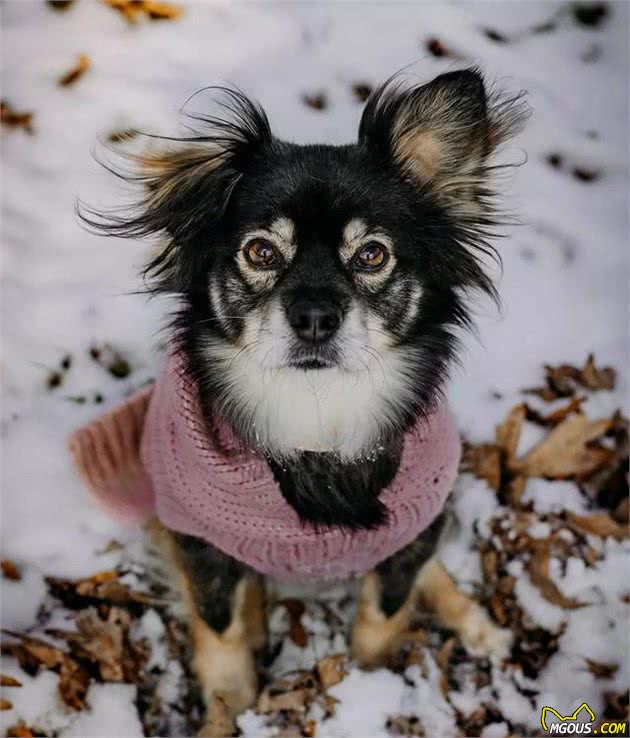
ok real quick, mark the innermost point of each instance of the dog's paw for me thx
(228, 680)
(371, 643)
(220, 721)
(482, 637)
(374, 635)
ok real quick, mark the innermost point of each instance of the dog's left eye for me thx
(261, 253)
(371, 257)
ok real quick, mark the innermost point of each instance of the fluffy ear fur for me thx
(186, 187)
(440, 135)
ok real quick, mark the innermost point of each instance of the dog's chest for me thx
(326, 490)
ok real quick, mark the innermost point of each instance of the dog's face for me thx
(318, 264)
(322, 283)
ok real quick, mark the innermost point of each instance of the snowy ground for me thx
(564, 288)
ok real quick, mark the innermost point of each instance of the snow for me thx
(21, 600)
(379, 691)
(111, 705)
(541, 611)
(550, 496)
(564, 290)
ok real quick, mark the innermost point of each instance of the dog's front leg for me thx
(227, 616)
(389, 594)
(387, 598)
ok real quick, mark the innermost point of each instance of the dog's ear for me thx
(440, 134)
(186, 186)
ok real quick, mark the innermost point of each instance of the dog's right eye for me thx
(261, 253)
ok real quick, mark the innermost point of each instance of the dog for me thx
(322, 289)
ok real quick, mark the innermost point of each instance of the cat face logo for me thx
(580, 722)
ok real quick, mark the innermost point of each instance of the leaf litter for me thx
(108, 613)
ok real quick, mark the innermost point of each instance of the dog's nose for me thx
(314, 322)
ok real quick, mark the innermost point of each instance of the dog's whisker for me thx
(378, 357)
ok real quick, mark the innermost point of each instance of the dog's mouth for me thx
(307, 364)
(310, 358)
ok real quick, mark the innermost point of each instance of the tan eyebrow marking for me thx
(281, 233)
(355, 235)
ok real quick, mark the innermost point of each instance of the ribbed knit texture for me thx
(107, 455)
(208, 484)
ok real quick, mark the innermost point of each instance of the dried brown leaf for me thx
(297, 632)
(474, 723)
(508, 433)
(35, 649)
(14, 119)
(133, 10)
(514, 490)
(489, 563)
(111, 359)
(568, 451)
(331, 670)
(444, 654)
(598, 524)
(297, 700)
(82, 65)
(538, 569)
(162, 11)
(506, 584)
(597, 379)
(436, 47)
(74, 682)
(104, 642)
(563, 380)
(600, 670)
(9, 681)
(362, 91)
(59, 5)
(484, 462)
(497, 608)
(574, 405)
(407, 725)
(546, 394)
(22, 730)
(293, 693)
(104, 586)
(315, 101)
(10, 570)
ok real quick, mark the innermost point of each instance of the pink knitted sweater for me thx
(155, 455)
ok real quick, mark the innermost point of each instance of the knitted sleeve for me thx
(106, 456)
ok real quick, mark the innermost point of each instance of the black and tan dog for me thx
(327, 261)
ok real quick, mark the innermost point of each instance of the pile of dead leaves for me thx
(103, 647)
(592, 453)
(100, 649)
(287, 700)
(565, 380)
